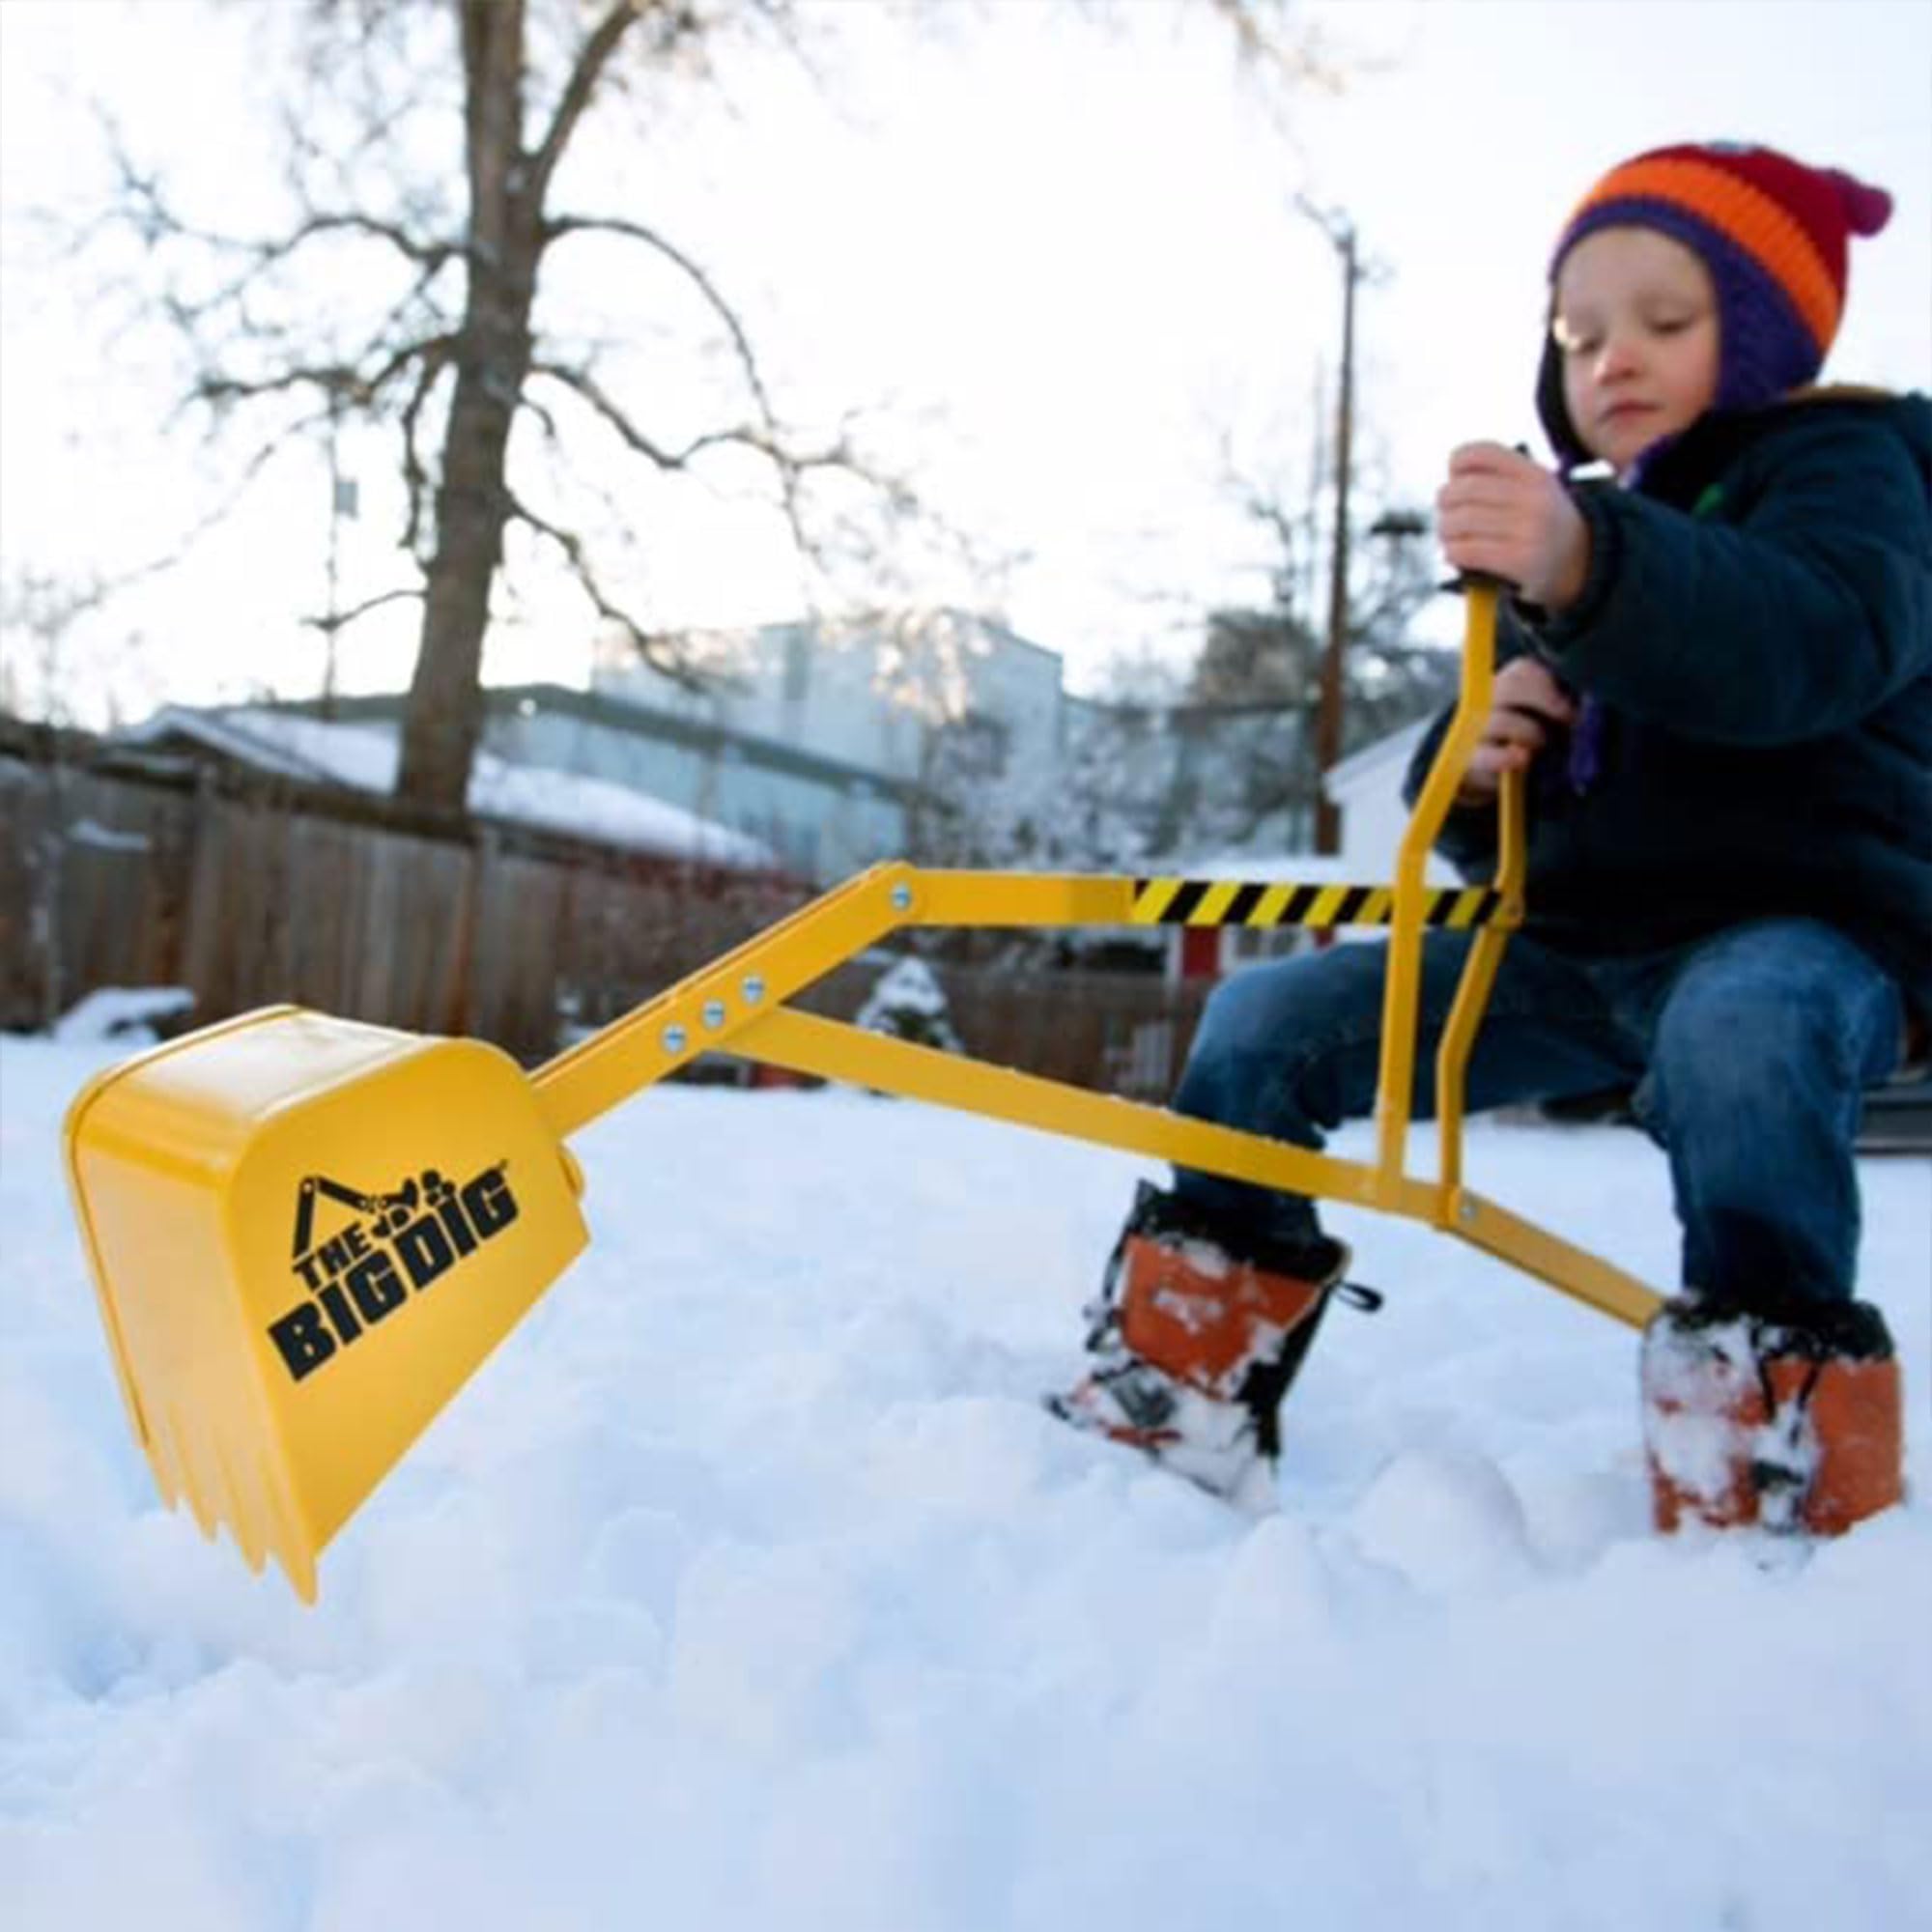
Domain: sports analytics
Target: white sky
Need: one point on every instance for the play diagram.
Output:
(1070, 259)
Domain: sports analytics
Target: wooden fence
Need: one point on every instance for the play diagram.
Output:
(249, 893)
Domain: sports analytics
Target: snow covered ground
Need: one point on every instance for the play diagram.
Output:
(748, 1588)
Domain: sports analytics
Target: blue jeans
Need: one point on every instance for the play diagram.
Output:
(1749, 1052)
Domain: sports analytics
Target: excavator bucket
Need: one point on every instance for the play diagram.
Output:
(305, 1235)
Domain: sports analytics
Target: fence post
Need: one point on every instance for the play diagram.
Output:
(50, 877)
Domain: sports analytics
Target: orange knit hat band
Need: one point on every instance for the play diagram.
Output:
(1765, 230)
(1773, 233)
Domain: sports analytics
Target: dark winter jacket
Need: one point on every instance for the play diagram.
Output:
(1757, 635)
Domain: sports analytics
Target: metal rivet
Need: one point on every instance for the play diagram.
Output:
(1465, 1211)
(714, 1014)
(901, 898)
(753, 989)
(674, 1039)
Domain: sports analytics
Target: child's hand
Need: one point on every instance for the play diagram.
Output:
(1503, 514)
(1527, 699)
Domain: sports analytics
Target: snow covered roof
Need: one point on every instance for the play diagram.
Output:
(364, 756)
(1263, 868)
(1363, 767)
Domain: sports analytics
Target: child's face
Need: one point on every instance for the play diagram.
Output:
(1636, 320)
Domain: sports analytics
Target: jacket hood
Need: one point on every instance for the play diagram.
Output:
(1912, 416)
(1909, 416)
(1718, 436)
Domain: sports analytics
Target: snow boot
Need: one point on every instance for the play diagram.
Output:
(1194, 1344)
(1792, 1422)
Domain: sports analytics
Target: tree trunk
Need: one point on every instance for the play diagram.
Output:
(1329, 725)
(444, 715)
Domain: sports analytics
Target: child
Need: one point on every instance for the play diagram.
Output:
(1719, 674)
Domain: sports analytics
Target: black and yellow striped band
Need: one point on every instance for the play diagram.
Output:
(1230, 902)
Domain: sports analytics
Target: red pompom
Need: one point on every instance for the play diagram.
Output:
(1867, 208)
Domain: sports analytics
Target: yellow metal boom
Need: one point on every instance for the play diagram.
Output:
(736, 1005)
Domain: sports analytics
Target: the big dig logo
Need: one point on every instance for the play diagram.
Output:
(367, 1269)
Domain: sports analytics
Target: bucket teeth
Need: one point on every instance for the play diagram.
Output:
(164, 1458)
(243, 1515)
(199, 1470)
(196, 1476)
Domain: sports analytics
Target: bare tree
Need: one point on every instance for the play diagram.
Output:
(60, 632)
(1261, 665)
(454, 361)
(39, 612)
(457, 359)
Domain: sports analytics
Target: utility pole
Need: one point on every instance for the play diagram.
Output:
(1328, 737)
(342, 503)
(1340, 233)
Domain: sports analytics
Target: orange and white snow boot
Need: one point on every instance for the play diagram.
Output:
(1792, 1424)
(1194, 1345)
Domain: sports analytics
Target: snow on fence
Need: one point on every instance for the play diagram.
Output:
(250, 894)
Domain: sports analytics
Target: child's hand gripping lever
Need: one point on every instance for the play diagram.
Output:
(1526, 705)
(1502, 513)
(1529, 709)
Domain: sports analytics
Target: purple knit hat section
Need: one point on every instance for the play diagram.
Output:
(1763, 347)
(1764, 350)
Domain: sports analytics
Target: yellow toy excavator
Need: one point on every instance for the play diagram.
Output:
(282, 1334)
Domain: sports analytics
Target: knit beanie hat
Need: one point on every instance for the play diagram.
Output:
(1771, 231)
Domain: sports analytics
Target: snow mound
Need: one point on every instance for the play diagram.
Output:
(749, 1586)
(125, 1014)
(1448, 1522)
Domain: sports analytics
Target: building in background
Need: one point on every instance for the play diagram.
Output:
(809, 749)
(865, 692)
(821, 737)
(821, 748)
(1367, 788)
(360, 754)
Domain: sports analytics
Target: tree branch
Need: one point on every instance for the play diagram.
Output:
(636, 231)
(647, 644)
(429, 255)
(336, 621)
(1263, 41)
(592, 392)
(155, 222)
(344, 382)
(416, 474)
(622, 514)
(591, 60)
(792, 465)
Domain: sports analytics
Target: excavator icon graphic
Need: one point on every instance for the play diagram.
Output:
(400, 1242)
(391, 1211)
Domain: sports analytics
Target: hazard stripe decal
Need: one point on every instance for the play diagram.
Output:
(1230, 902)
